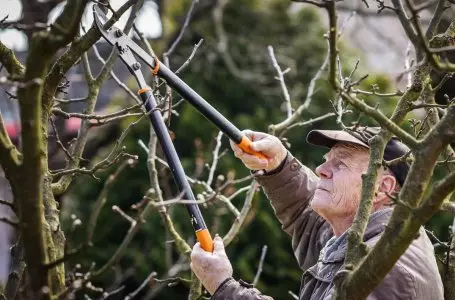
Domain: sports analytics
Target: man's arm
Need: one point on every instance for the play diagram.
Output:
(215, 272)
(290, 187)
(235, 290)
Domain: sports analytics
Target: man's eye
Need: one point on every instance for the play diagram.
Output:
(341, 165)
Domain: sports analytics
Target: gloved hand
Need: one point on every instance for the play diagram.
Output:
(211, 268)
(268, 144)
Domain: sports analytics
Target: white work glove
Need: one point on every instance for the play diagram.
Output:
(211, 268)
(268, 144)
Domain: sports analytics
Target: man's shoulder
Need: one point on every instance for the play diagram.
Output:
(415, 275)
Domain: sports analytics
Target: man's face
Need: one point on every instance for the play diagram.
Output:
(338, 191)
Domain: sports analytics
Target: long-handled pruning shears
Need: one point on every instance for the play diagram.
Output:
(126, 47)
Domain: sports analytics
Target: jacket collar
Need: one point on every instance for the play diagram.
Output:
(336, 247)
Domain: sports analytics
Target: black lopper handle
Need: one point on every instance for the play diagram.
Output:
(173, 160)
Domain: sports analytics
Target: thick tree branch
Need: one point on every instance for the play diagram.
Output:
(10, 157)
(355, 248)
(379, 117)
(333, 44)
(72, 55)
(404, 222)
(436, 19)
(405, 23)
(9, 60)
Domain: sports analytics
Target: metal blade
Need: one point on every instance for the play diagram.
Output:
(117, 38)
(100, 20)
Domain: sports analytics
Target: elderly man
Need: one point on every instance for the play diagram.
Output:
(318, 210)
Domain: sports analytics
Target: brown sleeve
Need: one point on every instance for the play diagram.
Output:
(290, 191)
(234, 290)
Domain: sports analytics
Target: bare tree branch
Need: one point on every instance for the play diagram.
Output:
(88, 40)
(261, 262)
(287, 98)
(9, 60)
(227, 239)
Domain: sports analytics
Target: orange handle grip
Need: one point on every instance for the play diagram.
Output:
(245, 145)
(204, 238)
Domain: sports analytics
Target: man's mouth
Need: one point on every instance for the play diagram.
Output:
(321, 188)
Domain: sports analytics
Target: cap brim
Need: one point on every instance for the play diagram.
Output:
(328, 138)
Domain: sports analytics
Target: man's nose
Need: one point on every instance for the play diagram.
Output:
(323, 171)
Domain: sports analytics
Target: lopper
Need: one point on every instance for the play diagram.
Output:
(126, 50)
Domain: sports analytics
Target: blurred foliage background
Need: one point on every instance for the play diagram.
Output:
(297, 36)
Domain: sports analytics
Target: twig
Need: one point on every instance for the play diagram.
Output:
(215, 158)
(7, 203)
(186, 63)
(124, 215)
(261, 262)
(66, 256)
(141, 287)
(287, 98)
(442, 82)
(112, 293)
(222, 47)
(19, 84)
(181, 265)
(244, 212)
(294, 296)
(315, 3)
(161, 161)
(423, 105)
(86, 68)
(59, 142)
(104, 164)
(115, 77)
(102, 198)
(403, 158)
(276, 128)
(6, 220)
(309, 122)
(182, 30)
(435, 239)
(71, 100)
(381, 119)
(98, 118)
(386, 95)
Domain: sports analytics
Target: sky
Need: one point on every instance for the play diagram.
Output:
(147, 22)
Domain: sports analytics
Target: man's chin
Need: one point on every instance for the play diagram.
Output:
(321, 200)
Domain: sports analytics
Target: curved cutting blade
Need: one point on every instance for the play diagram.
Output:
(100, 20)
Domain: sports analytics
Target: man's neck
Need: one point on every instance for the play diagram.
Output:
(340, 225)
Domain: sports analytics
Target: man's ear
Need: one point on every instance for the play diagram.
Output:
(387, 185)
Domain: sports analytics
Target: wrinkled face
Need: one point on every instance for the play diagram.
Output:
(339, 188)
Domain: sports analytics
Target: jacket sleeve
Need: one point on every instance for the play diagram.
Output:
(234, 290)
(290, 191)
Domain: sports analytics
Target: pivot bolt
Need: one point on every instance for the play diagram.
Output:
(118, 33)
(136, 66)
